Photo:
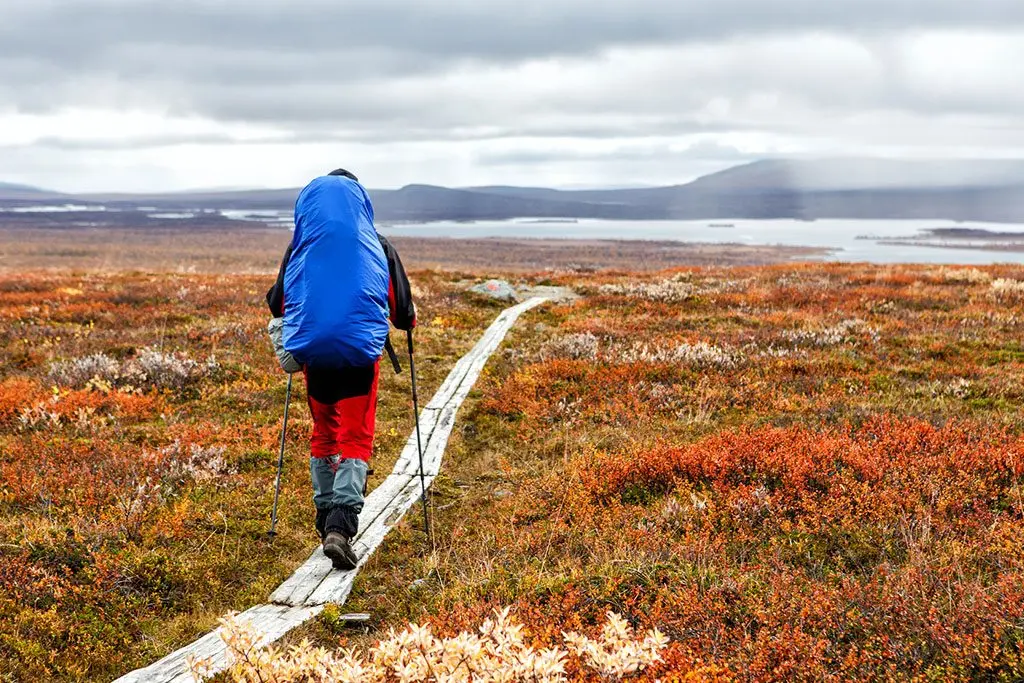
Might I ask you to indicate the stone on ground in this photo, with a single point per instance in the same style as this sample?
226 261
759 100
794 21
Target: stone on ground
502 290
495 289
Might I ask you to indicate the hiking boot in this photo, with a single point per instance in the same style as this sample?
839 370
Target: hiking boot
344 519
339 549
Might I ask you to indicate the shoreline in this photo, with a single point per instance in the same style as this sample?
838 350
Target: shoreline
257 250
1006 247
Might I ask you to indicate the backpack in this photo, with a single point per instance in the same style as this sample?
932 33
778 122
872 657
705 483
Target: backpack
336 282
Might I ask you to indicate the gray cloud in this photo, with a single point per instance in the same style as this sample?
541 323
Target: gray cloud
591 130
260 43
91 31
496 76
142 142
702 151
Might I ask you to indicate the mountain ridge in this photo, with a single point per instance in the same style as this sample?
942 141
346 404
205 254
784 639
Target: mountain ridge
771 188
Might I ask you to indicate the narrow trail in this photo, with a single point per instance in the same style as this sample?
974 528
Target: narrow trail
314 584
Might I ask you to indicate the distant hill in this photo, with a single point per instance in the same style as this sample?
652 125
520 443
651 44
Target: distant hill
864 174
15 192
838 188
426 202
216 199
14 187
802 189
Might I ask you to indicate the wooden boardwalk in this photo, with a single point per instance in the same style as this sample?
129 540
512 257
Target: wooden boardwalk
315 583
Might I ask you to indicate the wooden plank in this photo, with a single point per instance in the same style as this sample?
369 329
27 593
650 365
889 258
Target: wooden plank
447 388
273 621
379 505
455 393
458 373
408 461
296 587
306 578
336 585
457 376
314 584
410 465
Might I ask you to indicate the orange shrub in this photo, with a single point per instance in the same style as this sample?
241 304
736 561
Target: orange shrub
958 468
16 394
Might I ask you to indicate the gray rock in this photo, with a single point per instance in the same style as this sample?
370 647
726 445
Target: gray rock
502 290
556 294
495 289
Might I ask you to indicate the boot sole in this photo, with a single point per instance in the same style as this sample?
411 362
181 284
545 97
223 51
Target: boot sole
339 558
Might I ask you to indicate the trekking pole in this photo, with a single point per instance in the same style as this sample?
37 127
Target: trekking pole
280 459
419 441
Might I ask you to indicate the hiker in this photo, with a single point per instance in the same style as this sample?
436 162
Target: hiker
339 284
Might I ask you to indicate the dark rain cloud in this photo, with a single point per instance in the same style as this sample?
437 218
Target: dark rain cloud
291 61
92 32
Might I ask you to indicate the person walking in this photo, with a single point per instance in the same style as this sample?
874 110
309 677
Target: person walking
339 284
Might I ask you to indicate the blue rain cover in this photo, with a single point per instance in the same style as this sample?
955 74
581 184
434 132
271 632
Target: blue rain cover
336 283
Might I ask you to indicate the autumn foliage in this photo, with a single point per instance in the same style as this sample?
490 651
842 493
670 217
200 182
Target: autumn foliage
798 472
498 651
884 550
139 420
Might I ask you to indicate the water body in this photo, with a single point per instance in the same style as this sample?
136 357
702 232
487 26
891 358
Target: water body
171 216
57 208
268 216
846 240
839 236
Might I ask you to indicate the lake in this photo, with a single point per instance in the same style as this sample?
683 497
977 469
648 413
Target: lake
840 236
843 238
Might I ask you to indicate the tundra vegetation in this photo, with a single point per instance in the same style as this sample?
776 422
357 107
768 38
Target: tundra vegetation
793 472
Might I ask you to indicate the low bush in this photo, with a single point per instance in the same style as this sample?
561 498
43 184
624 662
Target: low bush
499 651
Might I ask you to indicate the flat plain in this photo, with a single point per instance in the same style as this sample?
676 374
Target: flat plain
799 471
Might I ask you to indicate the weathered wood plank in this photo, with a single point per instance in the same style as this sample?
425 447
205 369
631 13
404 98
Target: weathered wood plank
304 581
495 333
454 378
296 587
314 584
273 621
408 461
456 393
335 586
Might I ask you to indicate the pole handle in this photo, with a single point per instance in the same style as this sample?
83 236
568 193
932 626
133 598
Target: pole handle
393 356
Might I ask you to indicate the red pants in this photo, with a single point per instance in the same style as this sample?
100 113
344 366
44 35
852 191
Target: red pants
343 404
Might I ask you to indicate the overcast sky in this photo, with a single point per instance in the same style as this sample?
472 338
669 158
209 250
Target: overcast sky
175 94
